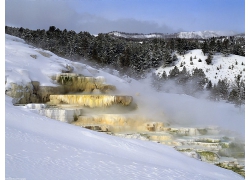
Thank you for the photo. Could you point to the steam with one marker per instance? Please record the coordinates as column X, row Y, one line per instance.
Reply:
column 179, row 109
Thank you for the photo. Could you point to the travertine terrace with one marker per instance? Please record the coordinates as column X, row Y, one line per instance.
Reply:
column 78, row 103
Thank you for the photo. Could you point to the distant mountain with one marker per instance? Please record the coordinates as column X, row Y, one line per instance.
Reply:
column 137, row 35
column 186, row 35
column 240, row 35
column 203, row 34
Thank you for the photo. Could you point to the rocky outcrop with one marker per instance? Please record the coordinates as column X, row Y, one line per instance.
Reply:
column 31, row 92
column 90, row 100
column 78, row 83
column 36, row 106
column 209, row 156
column 113, row 122
column 64, row 115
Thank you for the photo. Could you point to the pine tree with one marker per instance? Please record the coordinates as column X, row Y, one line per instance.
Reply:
column 222, row 89
column 174, row 72
column 174, row 58
column 209, row 85
column 167, row 59
column 205, row 48
column 198, row 80
column 209, row 59
column 237, row 94
column 183, row 76
column 164, row 75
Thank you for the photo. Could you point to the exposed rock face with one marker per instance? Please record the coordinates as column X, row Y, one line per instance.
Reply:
column 69, row 83
column 79, row 83
column 36, row 106
column 155, row 126
column 192, row 154
column 113, row 122
column 160, row 137
column 32, row 92
column 209, row 156
column 21, row 94
column 64, row 115
column 91, row 100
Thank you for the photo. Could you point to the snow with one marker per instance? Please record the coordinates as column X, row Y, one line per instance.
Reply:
column 204, row 34
column 41, row 148
column 21, row 68
column 219, row 69
column 37, row 147
column 139, row 36
column 188, row 35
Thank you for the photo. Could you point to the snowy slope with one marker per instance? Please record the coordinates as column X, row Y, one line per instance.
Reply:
column 42, row 148
column 137, row 36
column 219, row 69
column 203, row 34
column 37, row 147
column 21, row 67
column 186, row 35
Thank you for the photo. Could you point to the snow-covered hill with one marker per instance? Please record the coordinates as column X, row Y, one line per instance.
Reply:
column 203, row 34
column 37, row 147
column 186, row 35
column 136, row 35
column 221, row 67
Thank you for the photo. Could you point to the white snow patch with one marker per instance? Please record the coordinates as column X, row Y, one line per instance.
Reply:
column 219, row 69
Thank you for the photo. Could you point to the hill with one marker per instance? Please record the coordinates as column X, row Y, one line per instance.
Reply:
column 186, row 35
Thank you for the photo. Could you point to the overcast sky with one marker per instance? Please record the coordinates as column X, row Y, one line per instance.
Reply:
column 139, row 16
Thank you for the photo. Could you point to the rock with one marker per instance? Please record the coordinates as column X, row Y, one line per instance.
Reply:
column 209, row 156
column 33, row 56
column 69, row 69
column 36, row 106
column 64, row 115
column 21, row 94
column 192, row 154
column 31, row 92
column 45, row 54
column 160, row 137
column 91, row 100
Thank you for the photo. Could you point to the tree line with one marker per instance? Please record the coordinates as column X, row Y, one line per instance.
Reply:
column 134, row 57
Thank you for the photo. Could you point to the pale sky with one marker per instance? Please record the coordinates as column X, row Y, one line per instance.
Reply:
column 139, row 16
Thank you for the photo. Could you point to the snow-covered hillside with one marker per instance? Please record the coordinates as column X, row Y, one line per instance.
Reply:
column 203, row 34
column 37, row 147
column 136, row 36
column 221, row 67
column 24, row 63
column 186, row 35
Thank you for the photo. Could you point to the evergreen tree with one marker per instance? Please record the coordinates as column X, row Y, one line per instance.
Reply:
column 209, row 59
column 167, row 60
column 183, row 76
column 164, row 75
column 174, row 72
column 237, row 94
column 222, row 89
column 174, row 58
column 218, row 46
column 209, row 85
column 205, row 48
column 198, row 80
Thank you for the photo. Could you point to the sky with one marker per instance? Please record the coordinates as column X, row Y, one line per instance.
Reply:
column 133, row 16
